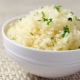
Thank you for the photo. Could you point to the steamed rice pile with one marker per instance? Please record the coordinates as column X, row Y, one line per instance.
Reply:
column 47, row 28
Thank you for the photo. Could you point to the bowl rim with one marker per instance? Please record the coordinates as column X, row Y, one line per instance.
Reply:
column 30, row 48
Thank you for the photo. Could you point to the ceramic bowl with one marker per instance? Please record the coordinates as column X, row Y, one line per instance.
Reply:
column 43, row 63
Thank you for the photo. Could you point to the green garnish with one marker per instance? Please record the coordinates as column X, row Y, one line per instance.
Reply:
column 50, row 20
column 39, row 20
column 71, row 12
column 20, row 19
column 78, row 19
column 48, row 23
column 66, row 30
column 57, row 8
column 31, row 33
column 59, row 32
column 69, row 49
column 45, row 19
column 79, row 47
column 69, row 19
column 35, row 13
column 43, row 14
column 13, row 38
column 63, row 35
column 52, row 38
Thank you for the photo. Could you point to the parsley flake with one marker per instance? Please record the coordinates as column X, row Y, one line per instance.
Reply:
column 69, row 49
column 57, row 8
column 63, row 35
column 52, row 38
column 79, row 47
column 45, row 19
column 65, row 29
column 13, row 38
column 59, row 32
column 71, row 12
column 35, row 13
column 31, row 33
column 43, row 14
column 39, row 20
column 50, row 20
column 69, row 19
column 48, row 23
column 78, row 19
column 20, row 19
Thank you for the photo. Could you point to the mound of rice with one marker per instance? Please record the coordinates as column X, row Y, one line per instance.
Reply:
column 47, row 28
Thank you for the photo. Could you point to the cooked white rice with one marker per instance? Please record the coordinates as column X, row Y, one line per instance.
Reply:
column 47, row 28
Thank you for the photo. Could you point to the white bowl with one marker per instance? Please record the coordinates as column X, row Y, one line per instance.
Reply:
column 45, row 70
column 40, row 62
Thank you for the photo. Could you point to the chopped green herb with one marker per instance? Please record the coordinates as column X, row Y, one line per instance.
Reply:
column 69, row 49
column 20, row 19
column 45, row 19
column 50, row 20
column 79, row 47
column 71, row 12
column 52, row 38
column 59, row 32
column 36, row 13
column 39, row 20
column 65, row 29
column 78, row 19
column 69, row 19
column 57, row 8
column 31, row 33
column 13, row 38
column 48, row 23
column 43, row 14
column 63, row 35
